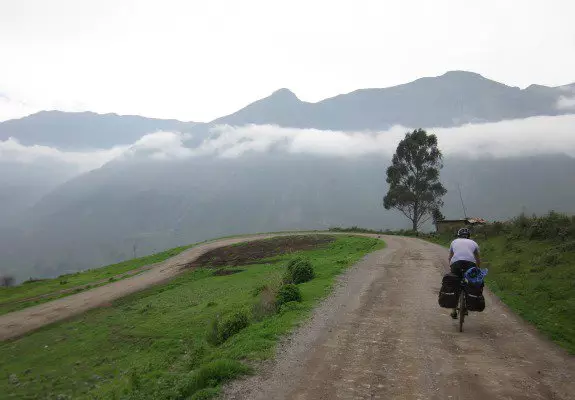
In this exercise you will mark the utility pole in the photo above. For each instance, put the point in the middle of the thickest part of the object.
(461, 198)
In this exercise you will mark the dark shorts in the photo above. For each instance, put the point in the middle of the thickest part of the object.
(460, 267)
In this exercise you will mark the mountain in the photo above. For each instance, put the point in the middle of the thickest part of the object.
(54, 220)
(77, 130)
(100, 217)
(453, 99)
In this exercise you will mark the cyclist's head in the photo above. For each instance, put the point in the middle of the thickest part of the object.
(464, 233)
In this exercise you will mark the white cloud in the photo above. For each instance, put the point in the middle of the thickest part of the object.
(160, 146)
(537, 135)
(13, 151)
(532, 136)
(566, 103)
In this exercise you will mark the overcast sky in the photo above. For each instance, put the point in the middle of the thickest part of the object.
(197, 60)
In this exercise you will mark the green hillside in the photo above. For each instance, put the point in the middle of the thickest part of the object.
(160, 343)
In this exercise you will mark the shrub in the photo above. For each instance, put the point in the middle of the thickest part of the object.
(299, 270)
(266, 304)
(205, 394)
(566, 247)
(551, 259)
(213, 336)
(221, 331)
(551, 226)
(209, 376)
(287, 293)
(548, 259)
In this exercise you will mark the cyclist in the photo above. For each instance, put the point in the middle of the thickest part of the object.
(463, 254)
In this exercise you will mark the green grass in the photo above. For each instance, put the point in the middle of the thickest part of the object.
(14, 298)
(153, 344)
(52, 287)
(535, 278)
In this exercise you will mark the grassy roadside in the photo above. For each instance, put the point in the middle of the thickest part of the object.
(153, 344)
(534, 274)
(35, 292)
(13, 298)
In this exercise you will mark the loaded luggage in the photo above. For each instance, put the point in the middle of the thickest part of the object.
(474, 299)
(449, 292)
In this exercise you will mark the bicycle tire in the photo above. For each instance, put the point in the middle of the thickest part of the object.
(462, 308)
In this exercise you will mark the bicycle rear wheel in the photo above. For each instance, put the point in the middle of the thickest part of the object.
(462, 308)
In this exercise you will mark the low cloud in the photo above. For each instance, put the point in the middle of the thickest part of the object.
(566, 103)
(12, 150)
(532, 136)
(161, 146)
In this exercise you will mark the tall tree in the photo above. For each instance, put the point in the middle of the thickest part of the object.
(413, 177)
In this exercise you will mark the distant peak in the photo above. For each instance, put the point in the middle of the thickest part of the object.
(284, 93)
(460, 74)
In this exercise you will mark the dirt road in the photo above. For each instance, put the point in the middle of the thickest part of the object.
(20, 322)
(381, 335)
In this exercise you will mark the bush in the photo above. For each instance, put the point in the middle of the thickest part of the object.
(205, 394)
(551, 226)
(566, 247)
(209, 376)
(299, 270)
(287, 293)
(221, 331)
(213, 336)
(266, 304)
(551, 259)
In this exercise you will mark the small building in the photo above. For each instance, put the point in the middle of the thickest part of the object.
(453, 225)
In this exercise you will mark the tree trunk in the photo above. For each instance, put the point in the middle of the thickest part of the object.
(415, 219)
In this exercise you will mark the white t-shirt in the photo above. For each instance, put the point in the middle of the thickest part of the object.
(463, 250)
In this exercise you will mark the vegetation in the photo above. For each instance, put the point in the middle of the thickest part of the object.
(299, 270)
(400, 232)
(153, 344)
(37, 291)
(222, 331)
(287, 293)
(531, 263)
(413, 178)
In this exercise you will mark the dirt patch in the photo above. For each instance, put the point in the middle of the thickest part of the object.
(253, 252)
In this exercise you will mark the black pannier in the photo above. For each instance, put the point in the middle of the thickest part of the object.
(474, 297)
(449, 292)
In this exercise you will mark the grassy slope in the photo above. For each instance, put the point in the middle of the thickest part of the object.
(152, 344)
(14, 298)
(536, 278)
(52, 287)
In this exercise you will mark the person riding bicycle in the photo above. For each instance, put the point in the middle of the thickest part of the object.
(463, 254)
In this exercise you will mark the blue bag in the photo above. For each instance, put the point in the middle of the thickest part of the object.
(475, 275)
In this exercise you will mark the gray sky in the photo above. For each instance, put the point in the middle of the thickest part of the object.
(197, 60)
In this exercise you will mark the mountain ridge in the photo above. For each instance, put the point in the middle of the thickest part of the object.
(452, 99)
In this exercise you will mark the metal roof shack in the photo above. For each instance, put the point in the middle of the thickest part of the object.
(453, 225)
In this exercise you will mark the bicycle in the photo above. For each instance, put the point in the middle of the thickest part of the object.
(462, 305)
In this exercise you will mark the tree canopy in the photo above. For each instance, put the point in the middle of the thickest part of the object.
(413, 178)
